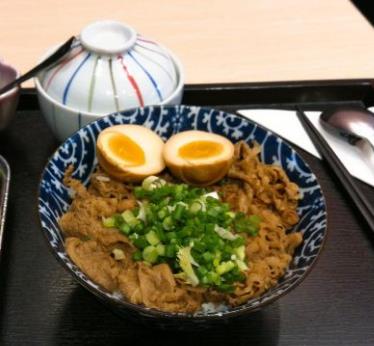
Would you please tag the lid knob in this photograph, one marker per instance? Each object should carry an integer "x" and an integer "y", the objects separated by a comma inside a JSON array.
[{"x": 108, "y": 37}]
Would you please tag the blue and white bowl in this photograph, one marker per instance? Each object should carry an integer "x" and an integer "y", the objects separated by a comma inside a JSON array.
[
  {"x": 79, "y": 150},
  {"x": 110, "y": 68}
]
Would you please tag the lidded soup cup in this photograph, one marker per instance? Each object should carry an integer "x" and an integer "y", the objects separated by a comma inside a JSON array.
[{"x": 110, "y": 68}]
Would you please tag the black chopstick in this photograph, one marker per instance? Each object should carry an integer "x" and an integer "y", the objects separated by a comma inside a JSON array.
[
  {"x": 59, "y": 53},
  {"x": 362, "y": 204}
]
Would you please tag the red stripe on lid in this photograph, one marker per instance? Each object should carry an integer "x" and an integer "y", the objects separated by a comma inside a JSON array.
[{"x": 132, "y": 81}]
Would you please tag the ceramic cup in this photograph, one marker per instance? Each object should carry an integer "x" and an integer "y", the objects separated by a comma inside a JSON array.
[{"x": 110, "y": 68}]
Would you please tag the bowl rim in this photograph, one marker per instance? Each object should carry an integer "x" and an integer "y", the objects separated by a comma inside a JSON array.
[
  {"x": 178, "y": 89},
  {"x": 123, "y": 304},
  {"x": 14, "y": 90}
]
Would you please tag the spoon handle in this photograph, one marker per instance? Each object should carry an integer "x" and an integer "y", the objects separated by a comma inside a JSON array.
[
  {"x": 347, "y": 181},
  {"x": 60, "y": 52}
]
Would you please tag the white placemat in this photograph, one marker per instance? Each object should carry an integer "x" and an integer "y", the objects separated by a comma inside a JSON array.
[{"x": 286, "y": 124}]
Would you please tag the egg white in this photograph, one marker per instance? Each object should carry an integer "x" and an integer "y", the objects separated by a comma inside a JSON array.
[
  {"x": 198, "y": 171},
  {"x": 172, "y": 146},
  {"x": 151, "y": 144}
]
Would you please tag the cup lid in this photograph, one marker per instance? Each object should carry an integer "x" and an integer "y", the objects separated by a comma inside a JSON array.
[
  {"x": 108, "y": 37},
  {"x": 112, "y": 68}
]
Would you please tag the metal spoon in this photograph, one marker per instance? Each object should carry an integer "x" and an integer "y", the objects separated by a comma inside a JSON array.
[
  {"x": 59, "y": 53},
  {"x": 355, "y": 124}
]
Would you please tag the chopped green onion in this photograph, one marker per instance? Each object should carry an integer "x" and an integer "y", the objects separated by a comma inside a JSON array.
[
  {"x": 190, "y": 229},
  {"x": 255, "y": 219},
  {"x": 150, "y": 254},
  {"x": 241, "y": 264},
  {"x": 195, "y": 207},
  {"x": 152, "y": 238},
  {"x": 185, "y": 262},
  {"x": 239, "y": 241},
  {"x": 171, "y": 235},
  {"x": 150, "y": 183},
  {"x": 208, "y": 257},
  {"x": 225, "y": 267},
  {"x": 137, "y": 256},
  {"x": 177, "y": 214},
  {"x": 247, "y": 224},
  {"x": 160, "y": 234},
  {"x": 142, "y": 213},
  {"x": 140, "y": 242},
  {"x": 109, "y": 222},
  {"x": 240, "y": 252},
  {"x": 212, "y": 194},
  {"x": 162, "y": 213},
  {"x": 125, "y": 228},
  {"x": 230, "y": 214},
  {"x": 168, "y": 223},
  {"x": 213, "y": 278},
  {"x": 224, "y": 233},
  {"x": 112, "y": 221},
  {"x": 129, "y": 218},
  {"x": 170, "y": 251},
  {"x": 160, "y": 249}
]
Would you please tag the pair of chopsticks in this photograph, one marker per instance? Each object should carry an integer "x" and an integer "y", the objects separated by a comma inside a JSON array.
[{"x": 363, "y": 205}]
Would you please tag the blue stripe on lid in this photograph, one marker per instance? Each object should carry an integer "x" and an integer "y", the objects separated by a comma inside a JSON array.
[
  {"x": 67, "y": 87},
  {"x": 154, "y": 83},
  {"x": 136, "y": 49}
]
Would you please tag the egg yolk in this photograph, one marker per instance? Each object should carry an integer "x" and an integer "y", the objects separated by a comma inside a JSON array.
[
  {"x": 200, "y": 150},
  {"x": 126, "y": 149}
]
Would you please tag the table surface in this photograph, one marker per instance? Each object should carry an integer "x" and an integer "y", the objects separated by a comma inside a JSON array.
[
  {"x": 41, "y": 304},
  {"x": 218, "y": 41}
]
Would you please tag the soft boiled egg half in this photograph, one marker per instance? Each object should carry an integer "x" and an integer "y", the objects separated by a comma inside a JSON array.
[
  {"x": 130, "y": 153},
  {"x": 198, "y": 157}
]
